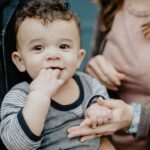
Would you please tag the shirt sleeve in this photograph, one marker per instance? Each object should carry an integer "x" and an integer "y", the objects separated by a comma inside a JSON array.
[
  {"x": 12, "y": 131},
  {"x": 136, "y": 118},
  {"x": 99, "y": 89}
]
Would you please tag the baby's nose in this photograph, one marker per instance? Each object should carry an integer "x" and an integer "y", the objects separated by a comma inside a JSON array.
[{"x": 53, "y": 55}]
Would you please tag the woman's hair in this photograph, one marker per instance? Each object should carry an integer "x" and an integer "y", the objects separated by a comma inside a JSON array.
[{"x": 108, "y": 9}]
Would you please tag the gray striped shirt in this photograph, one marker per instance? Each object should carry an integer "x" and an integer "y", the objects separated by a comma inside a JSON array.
[{"x": 16, "y": 135}]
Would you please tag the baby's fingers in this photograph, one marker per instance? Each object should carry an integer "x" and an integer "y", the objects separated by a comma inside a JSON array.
[
  {"x": 86, "y": 122},
  {"x": 87, "y": 137},
  {"x": 104, "y": 116},
  {"x": 91, "y": 115}
]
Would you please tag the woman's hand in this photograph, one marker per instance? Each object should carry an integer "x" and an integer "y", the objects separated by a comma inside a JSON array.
[
  {"x": 122, "y": 117},
  {"x": 103, "y": 70}
]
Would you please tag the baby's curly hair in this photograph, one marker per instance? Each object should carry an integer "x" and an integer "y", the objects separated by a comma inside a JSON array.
[{"x": 46, "y": 10}]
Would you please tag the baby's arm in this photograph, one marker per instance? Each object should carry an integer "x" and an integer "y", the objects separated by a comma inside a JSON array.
[
  {"x": 96, "y": 115},
  {"x": 38, "y": 101},
  {"x": 23, "y": 113}
]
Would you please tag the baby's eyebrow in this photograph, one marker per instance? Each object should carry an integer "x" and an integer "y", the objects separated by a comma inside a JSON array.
[
  {"x": 68, "y": 40},
  {"x": 35, "y": 40}
]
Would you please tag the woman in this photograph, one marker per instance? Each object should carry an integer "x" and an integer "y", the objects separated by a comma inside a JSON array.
[{"x": 124, "y": 64}]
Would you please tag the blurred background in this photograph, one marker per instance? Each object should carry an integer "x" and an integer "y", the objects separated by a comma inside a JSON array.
[{"x": 87, "y": 12}]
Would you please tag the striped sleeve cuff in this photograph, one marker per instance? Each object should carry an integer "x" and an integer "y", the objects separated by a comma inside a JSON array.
[{"x": 26, "y": 129}]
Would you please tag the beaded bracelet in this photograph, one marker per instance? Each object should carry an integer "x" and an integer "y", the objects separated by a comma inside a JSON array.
[{"x": 136, "y": 118}]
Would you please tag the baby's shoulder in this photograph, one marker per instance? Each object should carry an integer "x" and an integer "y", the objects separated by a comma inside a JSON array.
[
  {"x": 87, "y": 79},
  {"x": 22, "y": 86}
]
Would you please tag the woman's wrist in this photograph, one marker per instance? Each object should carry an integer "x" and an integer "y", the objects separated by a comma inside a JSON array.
[{"x": 136, "y": 108}]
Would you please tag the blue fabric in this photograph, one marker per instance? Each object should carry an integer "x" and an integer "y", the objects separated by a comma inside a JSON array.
[{"x": 7, "y": 10}]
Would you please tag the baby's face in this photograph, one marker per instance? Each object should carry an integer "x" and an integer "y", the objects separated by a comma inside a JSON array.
[{"x": 54, "y": 45}]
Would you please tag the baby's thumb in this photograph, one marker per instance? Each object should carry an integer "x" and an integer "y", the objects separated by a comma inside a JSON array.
[{"x": 86, "y": 122}]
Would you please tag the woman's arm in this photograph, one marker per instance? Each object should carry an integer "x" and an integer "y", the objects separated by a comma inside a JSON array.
[
  {"x": 144, "y": 124},
  {"x": 124, "y": 116}
]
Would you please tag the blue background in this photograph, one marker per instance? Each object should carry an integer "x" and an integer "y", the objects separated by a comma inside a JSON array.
[{"x": 87, "y": 12}]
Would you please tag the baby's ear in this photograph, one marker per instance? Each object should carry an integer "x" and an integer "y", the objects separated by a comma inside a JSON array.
[
  {"x": 17, "y": 60},
  {"x": 81, "y": 55}
]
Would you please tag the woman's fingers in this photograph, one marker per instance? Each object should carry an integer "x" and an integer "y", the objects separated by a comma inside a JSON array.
[
  {"x": 112, "y": 74},
  {"x": 74, "y": 128},
  {"x": 104, "y": 71},
  {"x": 106, "y": 129},
  {"x": 88, "y": 137},
  {"x": 96, "y": 73},
  {"x": 80, "y": 131},
  {"x": 93, "y": 65},
  {"x": 91, "y": 72},
  {"x": 109, "y": 104}
]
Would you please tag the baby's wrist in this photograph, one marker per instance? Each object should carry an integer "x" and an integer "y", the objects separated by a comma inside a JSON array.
[
  {"x": 129, "y": 117},
  {"x": 40, "y": 95}
]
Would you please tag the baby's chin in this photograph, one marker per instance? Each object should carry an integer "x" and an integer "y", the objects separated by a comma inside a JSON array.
[
  {"x": 64, "y": 76},
  {"x": 61, "y": 74}
]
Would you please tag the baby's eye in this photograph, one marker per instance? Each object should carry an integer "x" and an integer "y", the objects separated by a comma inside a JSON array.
[
  {"x": 64, "y": 46},
  {"x": 38, "y": 47}
]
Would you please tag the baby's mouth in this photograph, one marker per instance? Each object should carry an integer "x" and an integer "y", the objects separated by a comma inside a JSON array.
[
  {"x": 59, "y": 68},
  {"x": 61, "y": 71}
]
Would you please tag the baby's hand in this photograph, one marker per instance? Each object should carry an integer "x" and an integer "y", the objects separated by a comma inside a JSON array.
[
  {"x": 146, "y": 30},
  {"x": 47, "y": 82},
  {"x": 96, "y": 115}
]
